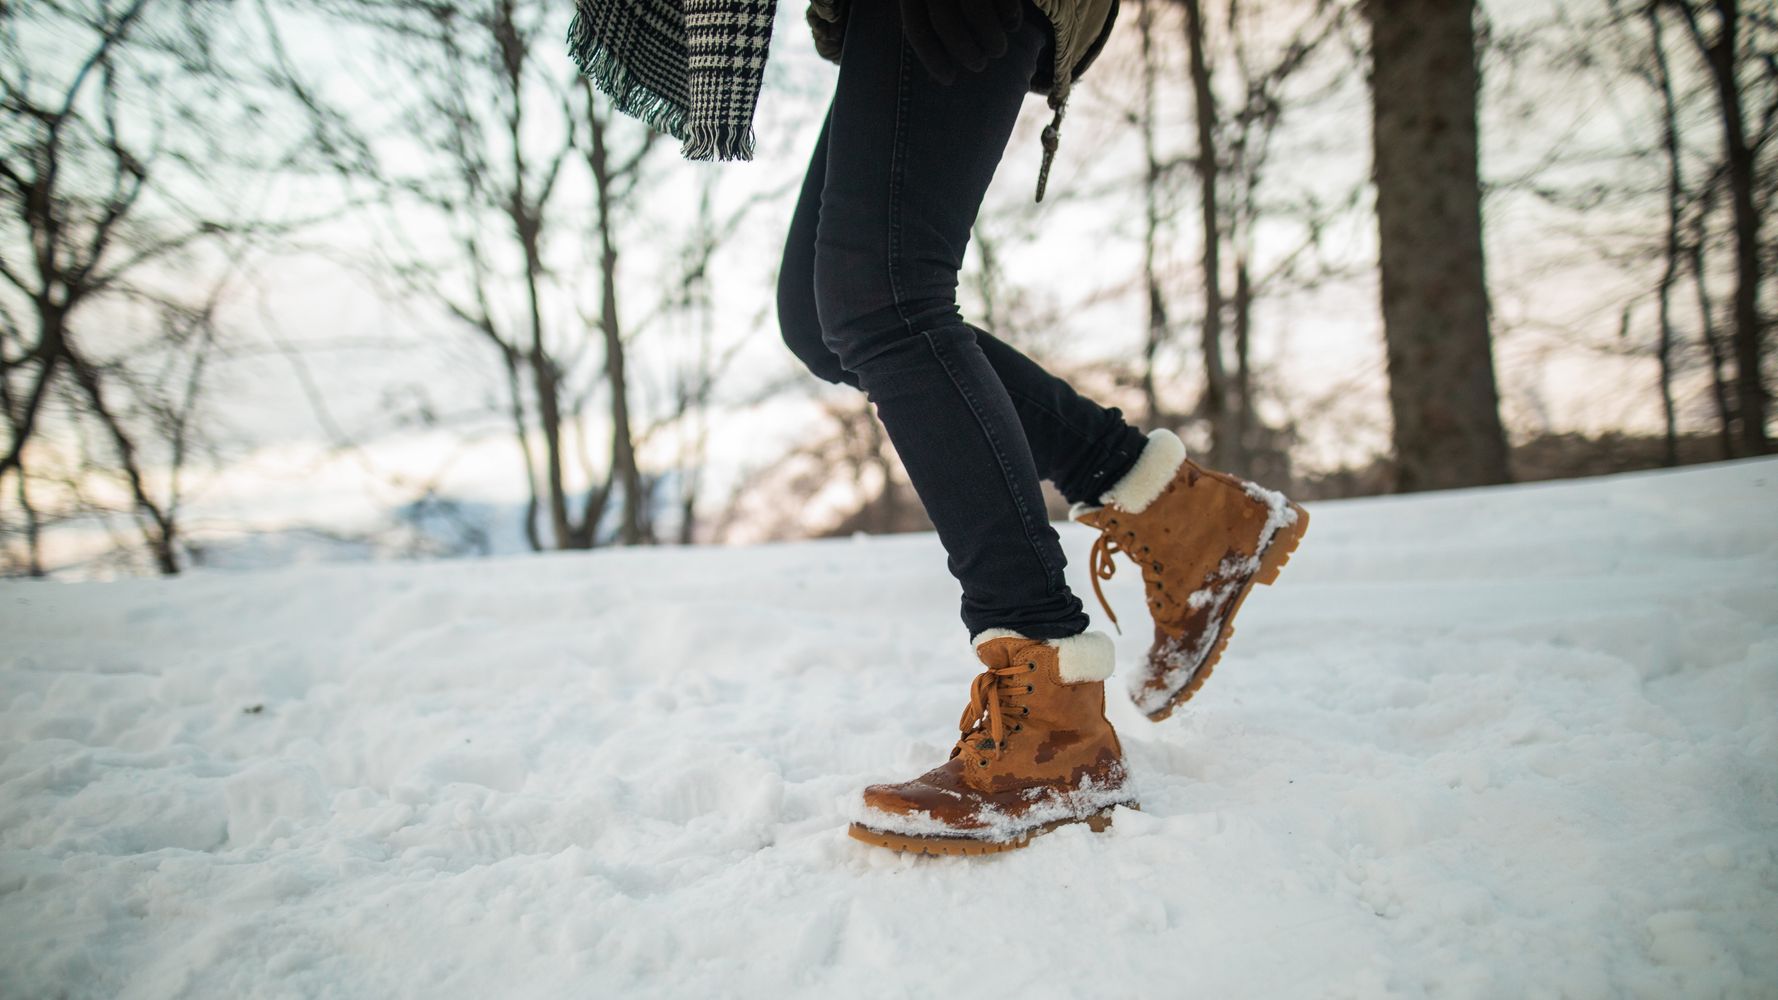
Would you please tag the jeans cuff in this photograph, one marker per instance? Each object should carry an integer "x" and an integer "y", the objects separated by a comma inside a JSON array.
[{"x": 1111, "y": 460}]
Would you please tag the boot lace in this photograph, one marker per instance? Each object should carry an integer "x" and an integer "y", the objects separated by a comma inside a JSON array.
[
  {"x": 993, "y": 698},
  {"x": 1103, "y": 567}
]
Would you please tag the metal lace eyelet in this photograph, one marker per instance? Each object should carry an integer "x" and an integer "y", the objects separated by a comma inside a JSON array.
[
  {"x": 983, "y": 762},
  {"x": 1025, "y": 711},
  {"x": 1029, "y": 689},
  {"x": 1018, "y": 727}
]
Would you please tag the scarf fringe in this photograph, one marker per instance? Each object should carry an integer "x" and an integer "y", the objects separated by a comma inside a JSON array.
[
  {"x": 719, "y": 142},
  {"x": 598, "y": 63}
]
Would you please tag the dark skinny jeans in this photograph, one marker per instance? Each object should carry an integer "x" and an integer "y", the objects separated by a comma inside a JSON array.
[{"x": 867, "y": 296}]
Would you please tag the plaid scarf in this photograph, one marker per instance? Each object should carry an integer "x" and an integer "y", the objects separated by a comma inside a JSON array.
[{"x": 689, "y": 68}]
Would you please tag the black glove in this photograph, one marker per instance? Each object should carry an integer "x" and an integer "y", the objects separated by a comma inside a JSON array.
[{"x": 949, "y": 35}]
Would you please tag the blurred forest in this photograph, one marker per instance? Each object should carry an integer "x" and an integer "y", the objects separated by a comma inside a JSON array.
[{"x": 285, "y": 280}]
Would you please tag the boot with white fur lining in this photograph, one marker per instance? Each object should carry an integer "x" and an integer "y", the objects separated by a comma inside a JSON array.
[
  {"x": 1201, "y": 539},
  {"x": 1036, "y": 752}
]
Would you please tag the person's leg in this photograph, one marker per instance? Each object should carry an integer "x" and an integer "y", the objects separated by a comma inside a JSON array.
[
  {"x": 908, "y": 161},
  {"x": 1079, "y": 446},
  {"x": 798, "y": 321},
  {"x": 1076, "y": 444}
]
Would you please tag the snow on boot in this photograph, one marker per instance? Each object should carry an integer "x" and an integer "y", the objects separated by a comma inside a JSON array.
[
  {"x": 1201, "y": 539},
  {"x": 1036, "y": 752}
]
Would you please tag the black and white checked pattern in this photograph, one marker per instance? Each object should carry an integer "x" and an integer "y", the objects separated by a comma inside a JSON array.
[{"x": 690, "y": 68}]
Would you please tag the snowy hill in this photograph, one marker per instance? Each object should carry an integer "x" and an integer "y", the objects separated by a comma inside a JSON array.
[{"x": 1502, "y": 743}]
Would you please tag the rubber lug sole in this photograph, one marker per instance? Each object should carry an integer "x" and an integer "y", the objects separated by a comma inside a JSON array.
[
  {"x": 942, "y": 846},
  {"x": 1271, "y": 563}
]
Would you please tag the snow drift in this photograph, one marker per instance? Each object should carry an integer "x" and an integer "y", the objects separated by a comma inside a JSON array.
[{"x": 1514, "y": 742}]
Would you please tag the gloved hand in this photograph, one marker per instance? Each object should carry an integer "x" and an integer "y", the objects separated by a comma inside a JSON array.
[{"x": 949, "y": 35}]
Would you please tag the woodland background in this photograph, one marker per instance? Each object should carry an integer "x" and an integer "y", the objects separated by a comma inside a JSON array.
[{"x": 287, "y": 280}]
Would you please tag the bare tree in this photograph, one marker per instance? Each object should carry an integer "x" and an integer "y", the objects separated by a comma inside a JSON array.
[
  {"x": 507, "y": 129},
  {"x": 1671, "y": 258},
  {"x": 1264, "y": 75},
  {"x": 1224, "y": 447},
  {"x": 1258, "y": 50},
  {"x": 1664, "y": 161},
  {"x": 1435, "y": 299},
  {"x": 694, "y": 379},
  {"x": 123, "y": 141},
  {"x": 1157, "y": 327},
  {"x": 846, "y": 466},
  {"x": 1725, "y": 58},
  {"x": 613, "y": 181}
]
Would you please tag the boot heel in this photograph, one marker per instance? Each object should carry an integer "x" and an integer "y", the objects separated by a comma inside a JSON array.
[{"x": 1283, "y": 544}]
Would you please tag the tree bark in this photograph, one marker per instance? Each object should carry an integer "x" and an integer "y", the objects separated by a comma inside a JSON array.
[
  {"x": 1435, "y": 305},
  {"x": 1670, "y": 265},
  {"x": 527, "y": 224},
  {"x": 1215, "y": 405},
  {"x": 158, "y": 526},
  {"x": 33, "y": 531},
  {"x": 1241, "y": 406},
  {"x": 1719, "y": 383},
  {"x": 1750, "y": 389},
  {"x": 1156, "y": 333},
  {"x": 632, "y": 529}
]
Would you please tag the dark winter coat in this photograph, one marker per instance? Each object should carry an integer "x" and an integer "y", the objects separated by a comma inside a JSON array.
[{"x": 1080, "y": 30}]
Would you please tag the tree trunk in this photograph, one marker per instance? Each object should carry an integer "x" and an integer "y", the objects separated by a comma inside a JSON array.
[
  {"x": 516, "y": 396},
  {"x": 33, "y": 532},
  {"x": 158, "y": 527},
  {"x": 1670, "y": 266},
  {"x": 527, "y": 224},
  {"x": 1719, "y": 383},
  {"x": 1204, "y": 99},
  {"x": 1241, "y": 405},
  {"x": 1750, "y": 389},
  {"x": 549, "y": 414},
  {"x": 1151, "y": 196},
  {"x": 631, "y": 530},
  {"x": 623, "y": 449},
  {"x": 1435, "y": 304}
]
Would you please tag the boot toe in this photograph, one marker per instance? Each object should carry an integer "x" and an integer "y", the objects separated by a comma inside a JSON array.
[
  {"x": 938, "y": 797},
  {"x": 890, "y": 798},
  {"x": 911, "y": 797}
]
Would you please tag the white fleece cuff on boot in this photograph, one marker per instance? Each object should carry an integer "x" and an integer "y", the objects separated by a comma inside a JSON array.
[
  {"x": 1154, "y": 469},
  {"x": 1088, "y": 656}
]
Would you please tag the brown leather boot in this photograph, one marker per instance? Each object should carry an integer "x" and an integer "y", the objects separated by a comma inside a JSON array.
[
  {"x": 1202, "y": 539},
  {"x": 1036, "y": 752}
]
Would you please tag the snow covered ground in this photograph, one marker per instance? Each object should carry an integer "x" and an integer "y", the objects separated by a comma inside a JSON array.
[{"x": 1502, "y": 743}]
